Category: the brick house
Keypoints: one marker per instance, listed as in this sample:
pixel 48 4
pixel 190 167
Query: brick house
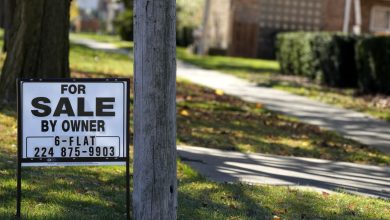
pixel 248 28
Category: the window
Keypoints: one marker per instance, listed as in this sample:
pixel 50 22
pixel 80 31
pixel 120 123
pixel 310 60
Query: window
pixel 380 19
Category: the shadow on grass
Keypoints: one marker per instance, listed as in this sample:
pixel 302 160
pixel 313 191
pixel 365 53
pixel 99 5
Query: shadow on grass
pixel 225 122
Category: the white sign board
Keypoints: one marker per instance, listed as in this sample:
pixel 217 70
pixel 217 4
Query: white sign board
pixel 73 122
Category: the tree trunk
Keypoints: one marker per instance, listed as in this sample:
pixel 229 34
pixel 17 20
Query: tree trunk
pixel 155 183
pixel 2 13
pixel 7 9
pixel 39 44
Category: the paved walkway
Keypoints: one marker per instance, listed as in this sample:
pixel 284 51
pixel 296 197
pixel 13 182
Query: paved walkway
pixel 108 47
pixel 323 175
pixel 354 125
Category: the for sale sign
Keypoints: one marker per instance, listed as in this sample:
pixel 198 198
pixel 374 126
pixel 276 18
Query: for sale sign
pixel 73 122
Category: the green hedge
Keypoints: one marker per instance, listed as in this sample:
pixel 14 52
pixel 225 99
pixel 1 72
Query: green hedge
pixel 373 59
pixel 335 55
pixel 124 25
pixel 327 57
pixel 295 53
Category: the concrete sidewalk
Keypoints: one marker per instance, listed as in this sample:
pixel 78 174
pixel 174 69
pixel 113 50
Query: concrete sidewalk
pixel 323 175
pixel 354 125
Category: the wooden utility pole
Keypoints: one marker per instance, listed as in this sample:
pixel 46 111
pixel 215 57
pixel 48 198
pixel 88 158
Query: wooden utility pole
pixel 155 184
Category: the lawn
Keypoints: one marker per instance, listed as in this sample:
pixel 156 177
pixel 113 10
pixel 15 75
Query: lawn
pixel 98 192
pixel 114 39
pixel 265 73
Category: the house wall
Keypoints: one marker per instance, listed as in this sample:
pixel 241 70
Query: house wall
pixel 253 24
pixel 333 15
pixel 244 28
pixel 367 6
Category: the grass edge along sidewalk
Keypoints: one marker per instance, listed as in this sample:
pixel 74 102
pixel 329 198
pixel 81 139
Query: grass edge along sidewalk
pixel 265 73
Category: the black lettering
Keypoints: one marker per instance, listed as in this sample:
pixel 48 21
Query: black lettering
pixel 75 125
pixel 53 125
pixel 64 88
pixel 84 125
pixel 101 125
pixel 37 103
pixel 64 102
pixel 92 126
pixel 93 140
pixel 65 126
pixel 81 89
pixel 101 106
pixel 86 142
pixel 44 126
pixel 72 89
pixel 81 108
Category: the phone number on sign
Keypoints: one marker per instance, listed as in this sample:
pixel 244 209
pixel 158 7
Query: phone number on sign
pixel 96 151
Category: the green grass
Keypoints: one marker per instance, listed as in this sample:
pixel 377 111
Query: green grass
pixel 98 192
pixel 376 106
pixel 83 59
pixel 201 199
pixel 234 65
pixel 114 39
pixel 265 74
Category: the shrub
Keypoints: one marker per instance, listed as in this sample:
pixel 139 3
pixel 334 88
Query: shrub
pixel 324 56
pixel 335 56
pixel 295 53
pixel 373 55
pixel 124 25
pixel 189 17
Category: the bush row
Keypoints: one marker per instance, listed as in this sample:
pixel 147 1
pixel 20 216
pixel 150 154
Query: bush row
pixel 373 64
pixel 337 60
pixel 326 57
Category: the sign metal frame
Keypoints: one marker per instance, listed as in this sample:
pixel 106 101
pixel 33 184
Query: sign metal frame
pixel 69 161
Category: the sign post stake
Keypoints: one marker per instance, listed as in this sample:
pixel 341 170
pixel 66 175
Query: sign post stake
pixel 19 190
pixel 155 182
pixel 19 171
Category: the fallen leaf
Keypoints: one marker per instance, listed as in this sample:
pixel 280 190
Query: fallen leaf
pixel 259 105
pixel 219 92
pixel 325 194
pixel 184 113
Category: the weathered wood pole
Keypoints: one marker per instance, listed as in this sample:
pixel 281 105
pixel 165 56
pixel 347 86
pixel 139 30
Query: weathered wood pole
pixel 155 184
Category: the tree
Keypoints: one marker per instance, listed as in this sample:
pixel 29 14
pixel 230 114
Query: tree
pixel 7 9
pixel 38 45
pixel 155 183
pixel 1 13
pixel 189 18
